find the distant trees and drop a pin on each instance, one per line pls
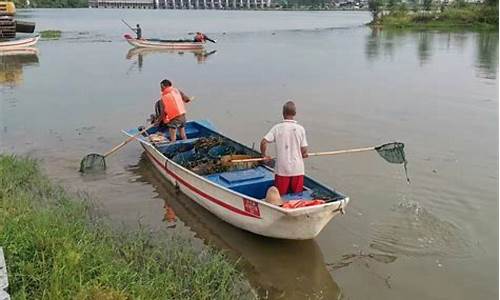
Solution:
(19, 3)
(375, 7)
(391, 4)
(427, 5)
(428, 13)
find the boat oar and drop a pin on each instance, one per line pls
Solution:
(210, 40)
(391, 152)
(97, 162)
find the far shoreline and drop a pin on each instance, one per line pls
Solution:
(460, 16)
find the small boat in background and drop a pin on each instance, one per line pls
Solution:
(18, 43)
(236, 194)
(163, 44)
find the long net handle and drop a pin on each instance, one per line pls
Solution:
(310, 154)
(250, 160)
(342, 151)
(117, 147)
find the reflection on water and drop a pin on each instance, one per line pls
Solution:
(278, 269)
(366, 260)
(348, 259)
(487, 54)
(12, 63)
(169, 217)
(424, 46)
(380, 43)
(201, 55)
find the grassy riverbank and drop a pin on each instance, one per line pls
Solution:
(480, 17)
(56, 249)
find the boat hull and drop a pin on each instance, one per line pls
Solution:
(244, 212)
(164, 45)
(19, 43)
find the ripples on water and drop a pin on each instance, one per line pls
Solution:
(382, 43)
(413, 231)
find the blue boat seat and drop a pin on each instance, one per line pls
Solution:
(251, 182)
(191, 132)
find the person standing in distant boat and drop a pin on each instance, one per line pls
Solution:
(138, 32)
(291, 149)
(170, 110)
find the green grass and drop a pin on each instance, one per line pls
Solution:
(50, 34)
(472, 16)
(56, 249)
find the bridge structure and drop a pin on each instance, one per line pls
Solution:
(181, 4)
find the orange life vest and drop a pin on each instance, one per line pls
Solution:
(302, 203)
(172, 104)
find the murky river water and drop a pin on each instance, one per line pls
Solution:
(436, 238)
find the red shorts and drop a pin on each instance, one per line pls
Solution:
(287, 184)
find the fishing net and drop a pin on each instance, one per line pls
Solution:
(395, 154)
(92, 162)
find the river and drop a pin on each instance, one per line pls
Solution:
(435, 238)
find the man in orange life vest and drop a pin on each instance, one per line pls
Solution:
(171, 112)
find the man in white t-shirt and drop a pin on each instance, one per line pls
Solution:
(291, 149)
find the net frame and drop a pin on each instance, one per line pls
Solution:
(394, 153)
(93, 162)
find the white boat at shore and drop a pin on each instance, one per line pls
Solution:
(237, 195)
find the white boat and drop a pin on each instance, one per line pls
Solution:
(237, 196)
(163, 44)
(18, 43)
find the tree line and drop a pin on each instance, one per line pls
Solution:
(422, 11)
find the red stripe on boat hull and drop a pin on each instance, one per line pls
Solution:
(199, 192)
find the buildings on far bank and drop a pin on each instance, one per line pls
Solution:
(182, 4)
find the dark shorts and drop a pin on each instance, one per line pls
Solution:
(178, 122)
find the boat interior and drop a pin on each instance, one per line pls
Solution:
(208, 153)
(171, 41)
